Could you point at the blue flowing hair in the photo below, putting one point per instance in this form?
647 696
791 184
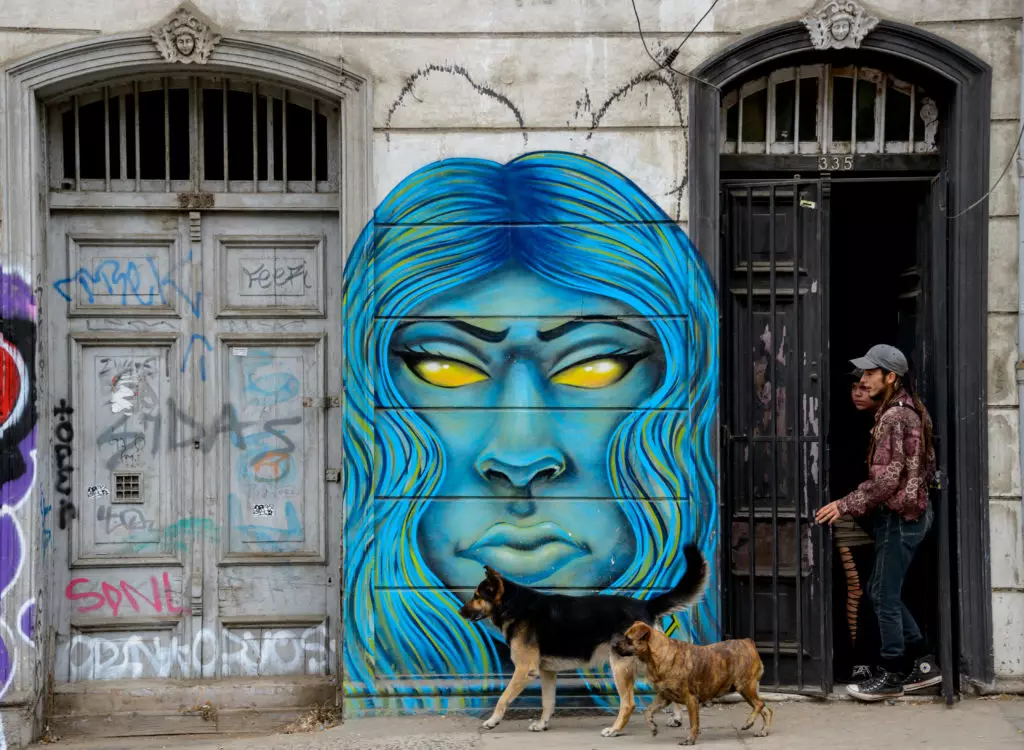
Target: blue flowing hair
574 222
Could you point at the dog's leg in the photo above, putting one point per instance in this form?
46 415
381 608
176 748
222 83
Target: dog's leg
693 708
624 672
547 695
527 660
677 716
749 694
658 704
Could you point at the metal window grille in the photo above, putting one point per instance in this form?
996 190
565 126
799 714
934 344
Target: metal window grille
820 109
127 487
205 133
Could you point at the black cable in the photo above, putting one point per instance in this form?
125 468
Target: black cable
671 56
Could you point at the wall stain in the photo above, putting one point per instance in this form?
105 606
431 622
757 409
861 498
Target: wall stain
657 78
455 70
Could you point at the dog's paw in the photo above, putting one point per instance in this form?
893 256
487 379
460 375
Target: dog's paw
761 733
490 723
654 731
674 722
610 732
747 725
689 741
538 726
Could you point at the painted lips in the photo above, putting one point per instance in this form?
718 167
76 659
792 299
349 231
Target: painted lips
525 553
13 394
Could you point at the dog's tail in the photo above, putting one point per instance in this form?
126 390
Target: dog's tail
688 591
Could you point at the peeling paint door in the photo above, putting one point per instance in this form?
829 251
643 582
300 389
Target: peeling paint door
122 303
273 385
773 365
195 378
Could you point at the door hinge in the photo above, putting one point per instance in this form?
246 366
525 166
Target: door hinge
326 402
332 475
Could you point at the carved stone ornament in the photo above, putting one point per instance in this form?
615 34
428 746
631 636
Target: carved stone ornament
839 24
185 36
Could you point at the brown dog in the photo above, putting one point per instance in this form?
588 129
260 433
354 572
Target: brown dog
691 675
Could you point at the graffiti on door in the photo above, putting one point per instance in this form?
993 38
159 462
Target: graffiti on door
17 465
531 379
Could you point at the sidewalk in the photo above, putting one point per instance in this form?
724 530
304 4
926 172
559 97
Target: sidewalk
996 722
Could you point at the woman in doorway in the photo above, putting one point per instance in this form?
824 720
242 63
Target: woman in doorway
531 382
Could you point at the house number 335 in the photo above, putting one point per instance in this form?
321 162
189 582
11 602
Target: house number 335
832 163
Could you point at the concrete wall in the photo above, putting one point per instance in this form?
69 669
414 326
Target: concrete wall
494 80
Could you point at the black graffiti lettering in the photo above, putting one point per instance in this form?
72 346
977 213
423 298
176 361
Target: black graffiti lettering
130 519
63 453
125 440
230 424
263 278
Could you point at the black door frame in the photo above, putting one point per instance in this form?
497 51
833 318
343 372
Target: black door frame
965 157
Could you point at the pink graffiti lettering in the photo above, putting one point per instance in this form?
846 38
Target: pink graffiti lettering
124 595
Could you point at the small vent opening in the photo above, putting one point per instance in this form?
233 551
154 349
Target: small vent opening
127 487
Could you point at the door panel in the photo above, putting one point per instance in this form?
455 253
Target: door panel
773 414
275 398
201 370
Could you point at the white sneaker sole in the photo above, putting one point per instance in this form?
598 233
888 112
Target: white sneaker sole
856 694
930 682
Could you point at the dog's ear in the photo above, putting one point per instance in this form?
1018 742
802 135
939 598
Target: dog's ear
641 632
492 573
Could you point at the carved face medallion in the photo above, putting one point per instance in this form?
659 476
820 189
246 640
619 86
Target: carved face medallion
841 26
185 43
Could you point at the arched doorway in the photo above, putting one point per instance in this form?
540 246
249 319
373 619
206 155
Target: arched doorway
187 203
897 135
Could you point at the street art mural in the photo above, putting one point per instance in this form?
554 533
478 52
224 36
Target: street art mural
531 379
17 466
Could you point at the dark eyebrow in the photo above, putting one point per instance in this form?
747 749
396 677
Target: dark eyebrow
483 334
572 325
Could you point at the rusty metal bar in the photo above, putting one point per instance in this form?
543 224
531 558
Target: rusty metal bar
122 132
138 130
312 153
774 401
224 126
255 138
798 503
751 446
167 134
78 147
913 107
198 132
270 137
284 140
106 138
796 110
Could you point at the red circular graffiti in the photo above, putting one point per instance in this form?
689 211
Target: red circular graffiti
12 374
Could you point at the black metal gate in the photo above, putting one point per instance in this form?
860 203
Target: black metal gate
775 412
775 256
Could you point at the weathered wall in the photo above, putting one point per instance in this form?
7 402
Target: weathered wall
496 80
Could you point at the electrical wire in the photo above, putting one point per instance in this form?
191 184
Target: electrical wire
1009 163
666 64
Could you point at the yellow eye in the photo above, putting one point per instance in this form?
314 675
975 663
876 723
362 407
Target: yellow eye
447 373
595 373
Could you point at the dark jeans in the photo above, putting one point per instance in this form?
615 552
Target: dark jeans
896 541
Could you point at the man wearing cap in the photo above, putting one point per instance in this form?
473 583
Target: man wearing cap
901 463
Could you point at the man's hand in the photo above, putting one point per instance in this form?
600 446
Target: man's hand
828 513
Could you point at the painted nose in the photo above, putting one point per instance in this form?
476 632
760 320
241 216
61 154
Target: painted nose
522 451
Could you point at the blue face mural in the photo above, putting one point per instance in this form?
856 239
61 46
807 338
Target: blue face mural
531 377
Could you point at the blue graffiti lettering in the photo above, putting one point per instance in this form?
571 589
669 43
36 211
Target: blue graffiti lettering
202 355
136 283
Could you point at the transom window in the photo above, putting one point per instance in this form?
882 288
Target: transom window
820 109
197 133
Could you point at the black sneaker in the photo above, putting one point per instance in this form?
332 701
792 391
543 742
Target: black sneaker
861 673
882 686
925 674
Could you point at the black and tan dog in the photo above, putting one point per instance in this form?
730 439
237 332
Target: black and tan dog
549 633
683 673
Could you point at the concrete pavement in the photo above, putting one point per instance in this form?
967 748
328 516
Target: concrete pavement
973 724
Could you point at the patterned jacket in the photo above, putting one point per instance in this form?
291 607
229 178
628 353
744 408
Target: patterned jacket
900 472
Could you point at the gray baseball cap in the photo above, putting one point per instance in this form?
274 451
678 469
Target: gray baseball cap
883 357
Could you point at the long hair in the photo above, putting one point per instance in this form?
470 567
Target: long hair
906 384
576 223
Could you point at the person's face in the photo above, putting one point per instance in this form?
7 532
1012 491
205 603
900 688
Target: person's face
525 408
861 397
876 382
